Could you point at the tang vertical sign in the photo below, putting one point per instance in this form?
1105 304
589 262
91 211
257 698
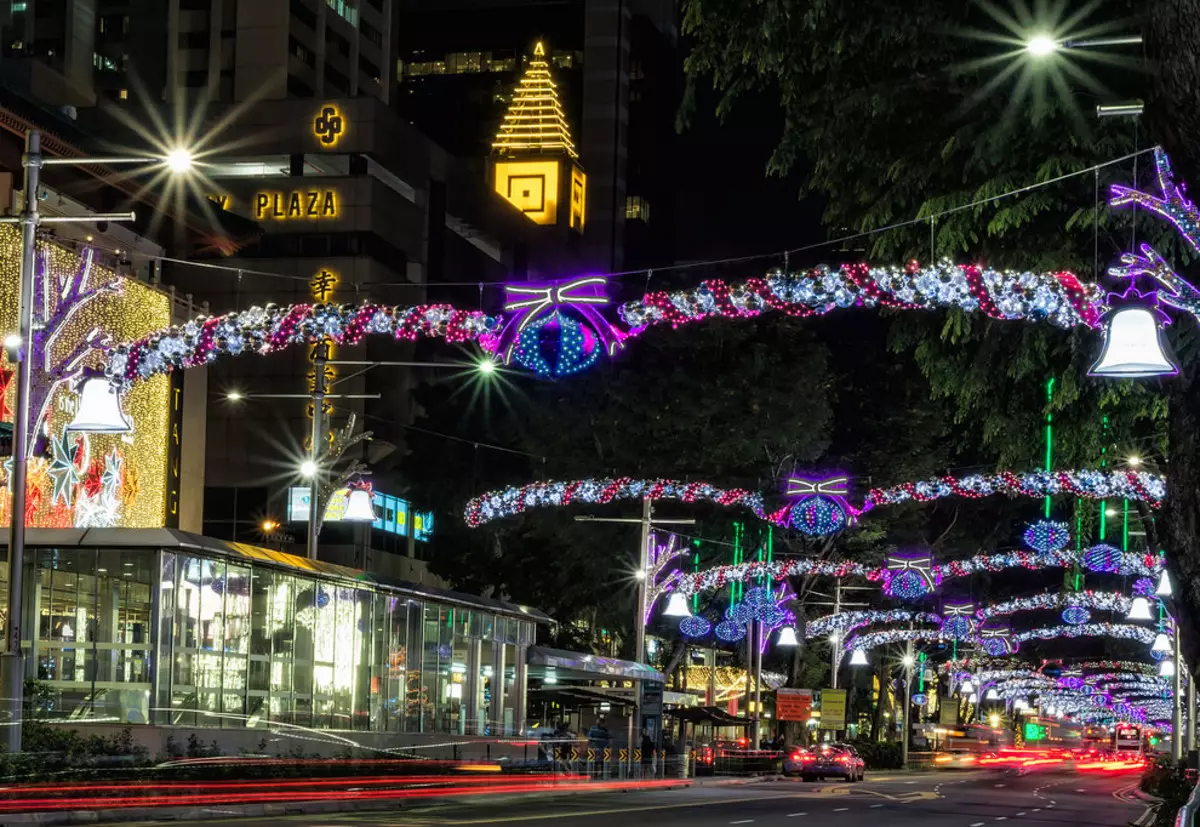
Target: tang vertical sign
174 449
322 287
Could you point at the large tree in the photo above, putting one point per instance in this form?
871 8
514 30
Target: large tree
908 109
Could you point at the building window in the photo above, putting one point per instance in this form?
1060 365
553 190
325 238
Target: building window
343 45
195 78
563 60
19 6
193 40
637 208
344 10
368 68
297 88
102 63
336 79
123 94
302 52
304 14
372 34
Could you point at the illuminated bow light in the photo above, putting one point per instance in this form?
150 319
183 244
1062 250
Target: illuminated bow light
958 622
998 642
555 329
910 577
99 410
819 508
1134 346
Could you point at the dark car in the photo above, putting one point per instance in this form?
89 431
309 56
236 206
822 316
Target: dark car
825 761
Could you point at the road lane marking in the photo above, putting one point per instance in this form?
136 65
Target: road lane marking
1020 814
1001 818
793 815
876 806
998 786
841 809
743 821
977 824
1038 810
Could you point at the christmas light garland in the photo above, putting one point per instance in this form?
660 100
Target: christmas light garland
721 576
1103 601
1059 298
511 501
1096 485
1121 631
271 328
844 622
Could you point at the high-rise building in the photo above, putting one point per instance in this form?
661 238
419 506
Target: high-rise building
619 75
336 197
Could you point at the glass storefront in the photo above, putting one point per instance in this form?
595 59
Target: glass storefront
195 639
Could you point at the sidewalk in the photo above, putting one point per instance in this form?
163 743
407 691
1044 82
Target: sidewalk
125 814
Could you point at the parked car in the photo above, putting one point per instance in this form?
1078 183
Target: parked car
825 761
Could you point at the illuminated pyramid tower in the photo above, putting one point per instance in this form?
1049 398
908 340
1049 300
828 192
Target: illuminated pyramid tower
534 159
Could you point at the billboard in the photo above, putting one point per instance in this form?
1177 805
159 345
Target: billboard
793 704
392 514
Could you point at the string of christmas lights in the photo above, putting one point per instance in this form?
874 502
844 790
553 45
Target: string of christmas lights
1058 298
511 501
721 576
845 622
1103 601
1097 485
267 329
1121 631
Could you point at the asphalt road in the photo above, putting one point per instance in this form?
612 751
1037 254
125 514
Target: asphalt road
968 799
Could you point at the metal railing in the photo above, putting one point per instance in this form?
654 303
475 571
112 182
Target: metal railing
1187 813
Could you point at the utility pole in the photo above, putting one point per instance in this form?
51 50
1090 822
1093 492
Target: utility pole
1177 704
12 660
909 660
316 450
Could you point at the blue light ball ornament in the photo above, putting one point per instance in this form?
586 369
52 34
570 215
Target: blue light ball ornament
557 345
919 699
1047 536
956 627
1076 615
694 626
818 516
758 596
741 613
1102 558
906 585
730 632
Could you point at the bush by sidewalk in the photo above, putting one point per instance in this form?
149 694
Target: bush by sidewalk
1169 781
877 756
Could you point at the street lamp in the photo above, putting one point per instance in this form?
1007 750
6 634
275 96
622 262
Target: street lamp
308 470
12 660
180 160
1041 45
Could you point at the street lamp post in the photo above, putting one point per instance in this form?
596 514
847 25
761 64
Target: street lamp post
906 728
12 661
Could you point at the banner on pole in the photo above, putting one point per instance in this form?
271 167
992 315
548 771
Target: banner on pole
793 704
833 709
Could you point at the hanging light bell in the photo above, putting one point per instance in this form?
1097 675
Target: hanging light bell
1133 346
787 637
358 507
677 606
858 658
1162 643
1164 585
1139 609
99 410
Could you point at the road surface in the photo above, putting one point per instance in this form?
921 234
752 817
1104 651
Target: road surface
947 799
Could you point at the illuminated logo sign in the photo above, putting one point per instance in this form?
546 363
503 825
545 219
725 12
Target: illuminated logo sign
315 204
222 200
329 126
1035 732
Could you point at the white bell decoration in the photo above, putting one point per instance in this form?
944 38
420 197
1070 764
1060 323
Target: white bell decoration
1162 643
992 695
1139 609
358 507
967 687
973 698
1164 585
858 658
1166 669
1133 346
99 409
787 637
677 606
1020 704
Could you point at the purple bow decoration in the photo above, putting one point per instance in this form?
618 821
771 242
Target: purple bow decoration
958 609
529 302
922 565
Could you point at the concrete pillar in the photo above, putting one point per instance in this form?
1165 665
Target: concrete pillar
496 724
520 679
473 688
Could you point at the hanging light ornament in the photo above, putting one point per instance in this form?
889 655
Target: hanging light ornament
858 658
910 577
958 620
695 626
820 508
919 699
1047 536
1166 669
1162 643
556 329
1103 558
730 632
359 508
1134 346
1139 609
787 637
967 687
99 410
677 606
992 695
1076 615
1164 585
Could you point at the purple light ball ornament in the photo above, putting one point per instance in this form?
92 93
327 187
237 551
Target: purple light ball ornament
758 596
1103 558
1047 536
730 632
1076 615
557 346
556 329
694 626
910 576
